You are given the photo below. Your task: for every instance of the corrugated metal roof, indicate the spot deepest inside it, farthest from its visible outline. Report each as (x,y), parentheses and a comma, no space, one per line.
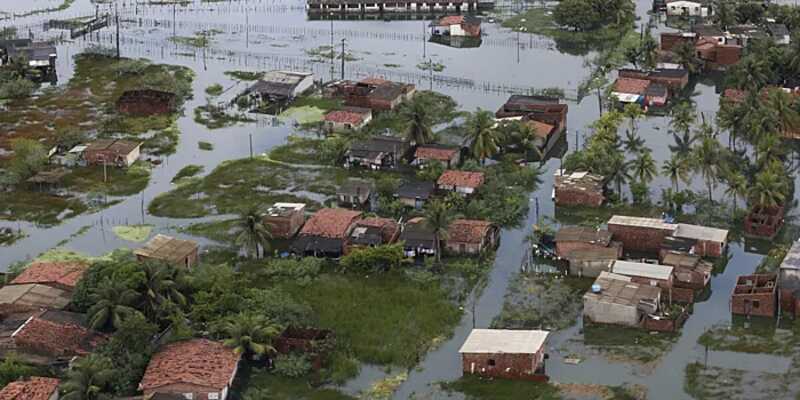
(36,295)
(166,248)
(619,289)
(651,271)
(701,233)
(504,341)
(641,222)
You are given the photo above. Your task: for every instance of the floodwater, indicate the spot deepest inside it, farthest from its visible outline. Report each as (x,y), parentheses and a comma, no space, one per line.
(263,35)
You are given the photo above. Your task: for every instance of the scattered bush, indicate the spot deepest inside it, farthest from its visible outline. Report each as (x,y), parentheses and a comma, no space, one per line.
(292,365)
(378,258)
(214,90)
(19,88)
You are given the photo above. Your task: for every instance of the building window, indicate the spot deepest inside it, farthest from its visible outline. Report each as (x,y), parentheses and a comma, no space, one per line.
(491,362)
(755,303)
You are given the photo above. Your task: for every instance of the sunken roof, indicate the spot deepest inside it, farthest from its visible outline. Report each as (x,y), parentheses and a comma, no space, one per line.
(32,388)
(332,223)
(374,231)
(200,362)
(62,273)
(376,145)
(167,248)
(278,83)
(618,289)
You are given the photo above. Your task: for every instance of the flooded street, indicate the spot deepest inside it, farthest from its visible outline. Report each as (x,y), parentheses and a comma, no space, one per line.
(263,35)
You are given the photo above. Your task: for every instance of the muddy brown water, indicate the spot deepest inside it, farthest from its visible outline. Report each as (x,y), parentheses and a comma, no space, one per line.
(259,35)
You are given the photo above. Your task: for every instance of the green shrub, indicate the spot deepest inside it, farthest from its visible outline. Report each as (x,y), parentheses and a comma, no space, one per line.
(19,88)
(374,258)
(214,90)
(292,365)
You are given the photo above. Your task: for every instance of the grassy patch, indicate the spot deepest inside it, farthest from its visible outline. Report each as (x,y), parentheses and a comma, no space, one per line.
(712,382)
(303,114)
(214,90)
(205,146)
(39,208)
(214,118)
(436,67)
(535,301)
(119,182)
(298,150)
(280,388)
(220,231)
(7,238)
(755,338)
(188,172)
(384,318)
(133,233)
(245,75)
(628,343)
(475,388)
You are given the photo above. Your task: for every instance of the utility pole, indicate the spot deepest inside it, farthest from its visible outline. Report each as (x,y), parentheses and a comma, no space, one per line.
(430,71)
(251,145)
(424,45)
(116,22)
(332,57)
(174,12)
(343,56)
(517,46)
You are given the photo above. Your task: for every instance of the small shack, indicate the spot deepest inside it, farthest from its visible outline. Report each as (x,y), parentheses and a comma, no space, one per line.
(464,183)
(376,153)
(326,233)
(647,274)
(354,193)
(374,231)
(415,194)
(541,108)
(470,237)
(47,180)
(418,239)
(113,152)
(285,219)
(374,93)
(588,251)
(448,156)
(616,299)
(348,119)
(456,26)
(504,353)
(170,250)
(709,242)
(789,282)
(579,188)
(755,295)
(146,102)
(280,87)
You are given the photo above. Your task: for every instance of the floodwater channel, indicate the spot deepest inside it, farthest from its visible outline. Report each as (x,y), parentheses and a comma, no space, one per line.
(263,35)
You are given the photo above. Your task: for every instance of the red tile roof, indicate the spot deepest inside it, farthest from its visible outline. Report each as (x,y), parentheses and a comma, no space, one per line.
(630,85)
(541,129)
(735,95)
(461,179)
(61,273)
(56,339)
(346,117)
(330,223)
(468,230)
(451,20)
(34,388)
(200,362)
(375,81)
(435,153)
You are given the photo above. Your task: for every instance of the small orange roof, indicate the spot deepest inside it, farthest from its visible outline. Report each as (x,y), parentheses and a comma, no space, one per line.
(62,273)
(451,20)
(199,362)
(33,388)
(541,129)
(461,179)
(330,223)
(435,153)
(631,86)
(468,230)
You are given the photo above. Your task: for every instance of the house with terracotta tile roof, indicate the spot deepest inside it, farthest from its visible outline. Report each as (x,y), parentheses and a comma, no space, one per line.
(630,90)
(461,182)
(326,233)
(198,369)
(32,388)
(469,237)
(47,337)
(347,119)
(449,156)
(62,275)
(170,250)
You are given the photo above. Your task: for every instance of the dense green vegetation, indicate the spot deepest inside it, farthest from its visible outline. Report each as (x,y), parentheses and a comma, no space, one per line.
(474,388)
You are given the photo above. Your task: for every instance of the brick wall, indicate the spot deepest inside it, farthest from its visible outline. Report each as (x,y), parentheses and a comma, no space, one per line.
(511,366)
(198,392)
(682,295)
(638,238)
(758,304)
(567,197)
(705,248)
(563,248)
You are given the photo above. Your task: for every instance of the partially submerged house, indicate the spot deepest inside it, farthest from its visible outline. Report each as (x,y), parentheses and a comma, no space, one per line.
(43,285)
(146,102)
(31,388)
(789,282)
(374,93)
(279,87)
(326,233)
(630,90)
(170,250)
(374,231)
(378,152)
(691,274)
(414,193)
(418,239)
(578,188)
(646,274)
(39,56)
(764,221)
(685,8)
(615,299)
(541,108)
(648,234)
(354,193)
(50,179)
(589,251)
(464,183)
(285,219)
(195,369)
(347,119)
(448,156)
(504,353)
(755,295)
(112,152)
(51,338)
(456,25)
(468,237)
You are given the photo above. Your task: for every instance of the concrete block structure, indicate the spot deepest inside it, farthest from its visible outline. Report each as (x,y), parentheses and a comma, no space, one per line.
(502,353)
(755,295)
(285,219)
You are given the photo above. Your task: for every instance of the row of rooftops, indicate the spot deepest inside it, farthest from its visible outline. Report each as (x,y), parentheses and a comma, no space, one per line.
(679,230)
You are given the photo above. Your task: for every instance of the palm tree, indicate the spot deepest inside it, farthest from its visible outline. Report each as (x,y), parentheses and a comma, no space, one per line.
(737,187)
(768,149)
(752,73)
(112,303)
(793,55)
(782,105)
(644,167)
(683,116)
(250,334)
(417,113)
(683,144)
(633,112)
(677,169)
(481,134)
(88,379)
(619,172)
(706,156)
(253,234)
(160,287)
(632,142)
(686,56)
(438,217)
(767,190)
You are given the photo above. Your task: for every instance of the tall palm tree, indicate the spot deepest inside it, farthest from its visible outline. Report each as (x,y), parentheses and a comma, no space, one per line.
(481,134)
(683,117)
(683,144)
(417,113)
(250,334)
(632,142)
(706,157)
(633,112)
(160,287)
(644,167)
(782,105)
(88,379)
(752,73)
(686,56)
(253,234)
(737,186)
(768,149)
(677,169)
(619,172)
(438,217)
(112,303)
(767,190)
